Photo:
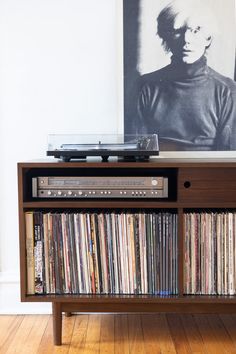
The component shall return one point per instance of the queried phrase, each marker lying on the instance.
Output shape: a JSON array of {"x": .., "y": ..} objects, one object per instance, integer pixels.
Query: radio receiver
[{"x": 100, "y": 187}]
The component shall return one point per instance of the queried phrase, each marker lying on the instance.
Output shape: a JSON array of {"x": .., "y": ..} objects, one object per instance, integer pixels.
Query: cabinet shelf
[
  {"x": 128, "y": 205},
  {"x": 109, "y": 298},
  {"x": 81, "y": 204},
  {"x": 194, "y": 185}
]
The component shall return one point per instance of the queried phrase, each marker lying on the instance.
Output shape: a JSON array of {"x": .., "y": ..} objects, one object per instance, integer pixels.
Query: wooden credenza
[{"x": 194, "y": 185}]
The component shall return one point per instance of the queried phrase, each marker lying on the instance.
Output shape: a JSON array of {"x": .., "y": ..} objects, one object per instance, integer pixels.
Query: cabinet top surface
[{"x": 164, "y": 160}]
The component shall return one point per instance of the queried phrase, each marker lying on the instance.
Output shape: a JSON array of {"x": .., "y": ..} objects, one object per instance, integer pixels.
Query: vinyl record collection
[
  {"x": 209, "y": 255},
  {"x": 101, "y": 253}
]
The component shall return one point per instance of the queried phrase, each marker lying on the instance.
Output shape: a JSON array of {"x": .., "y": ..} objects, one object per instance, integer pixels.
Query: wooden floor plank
[
  {"x": 136, "y": 343},
  {"x": 107, "y": 335},
  {"x": 223, "y": 338},
  {"x": 230, "y": 325},
  {"x": 47, "y": 346},
  {"x": 192, "y": 333},
  {"x": 178, "y": 334},
  {"x": 92, "y": 341},
  {"x": 121, "y": 334},
  {"x": 164, "y": 338},
  {"x": 33, "y": 340},
  {"x": 79, "y": 334},
  {"x": 21, "y": 341},
  {"x": 5, "y": 324},
  {"x": 150, "y": 334},
  {"x": 210, "y": 342},
  {"x": 8, "y": 333}
]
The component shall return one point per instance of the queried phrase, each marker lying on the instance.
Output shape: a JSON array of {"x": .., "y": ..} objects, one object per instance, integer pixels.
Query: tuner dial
[
  {"x": 49, "y": 192},
  {"x": 69, "y": 193},
  {"x": 154, "y": 182},
  {"x": 59, "y": 193},
  {"x": 80, "y": 193}
]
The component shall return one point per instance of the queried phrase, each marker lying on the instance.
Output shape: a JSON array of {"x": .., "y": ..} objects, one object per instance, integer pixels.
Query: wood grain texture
[
  {"x": 212, "y": 334},
  {"x": 79, "y": 334},
  {"x": 163, "y": 336},
  {"x": 107, "y": 334},
  {"x": 9, "y": 326},
  {"x": 193, "y": 335},
  {"x": 120, "y": 334},
  {"x": 92, "y": 343},
  {"x": 229, "y": 322},
  {"x": 178, "y": 334},
  {"x": 136, "y": 345}
]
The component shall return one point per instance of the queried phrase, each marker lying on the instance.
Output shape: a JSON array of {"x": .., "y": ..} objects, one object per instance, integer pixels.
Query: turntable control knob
[
  {"x": 121, "y": 192},
  {"x": 80, "y": 193},
  {"x": 69, "y": 193},
  {"x": 125, "y": 192},
  {"x": 105, "y": 192},
  {"x": 109, "y": 192},
  {"x": 132, "y": 193},
  {"x": 59, "y": 192},
  {"x": 49, "y": 192}
]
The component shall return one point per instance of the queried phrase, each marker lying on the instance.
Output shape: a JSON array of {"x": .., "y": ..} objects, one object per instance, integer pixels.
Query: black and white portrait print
[{"x": 179, "y": 72}]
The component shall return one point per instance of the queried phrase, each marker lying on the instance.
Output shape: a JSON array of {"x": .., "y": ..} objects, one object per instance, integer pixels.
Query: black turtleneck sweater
[{"x": 190, "y": 106}]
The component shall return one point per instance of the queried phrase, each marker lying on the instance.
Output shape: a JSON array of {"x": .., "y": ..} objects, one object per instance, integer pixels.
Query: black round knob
[{"x": 187, "y": 184}]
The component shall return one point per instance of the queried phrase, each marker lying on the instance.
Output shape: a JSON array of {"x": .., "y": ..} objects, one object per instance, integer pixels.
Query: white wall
[{"x": 60, "y": 72}]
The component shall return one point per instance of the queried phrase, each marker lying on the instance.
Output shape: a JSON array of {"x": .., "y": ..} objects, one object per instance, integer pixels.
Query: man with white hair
[{"x": 189, "y": 105}]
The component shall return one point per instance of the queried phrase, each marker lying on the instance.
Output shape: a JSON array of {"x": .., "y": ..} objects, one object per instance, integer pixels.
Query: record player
[{"x": 125, "y": 147}]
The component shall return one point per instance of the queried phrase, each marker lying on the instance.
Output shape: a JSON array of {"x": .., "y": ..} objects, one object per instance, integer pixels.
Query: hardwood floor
[{"x": 120, "y": 334}]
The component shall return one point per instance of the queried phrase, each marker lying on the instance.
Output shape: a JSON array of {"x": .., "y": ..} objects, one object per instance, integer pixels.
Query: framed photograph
[{"x": 179, "y": 72}]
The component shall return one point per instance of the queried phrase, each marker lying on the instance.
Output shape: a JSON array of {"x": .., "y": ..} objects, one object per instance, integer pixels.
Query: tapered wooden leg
[{"x": 57, "y": 322}]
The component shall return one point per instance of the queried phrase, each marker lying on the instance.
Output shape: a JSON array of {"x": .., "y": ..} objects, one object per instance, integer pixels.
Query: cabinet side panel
[{"x": 21, "y": 233}]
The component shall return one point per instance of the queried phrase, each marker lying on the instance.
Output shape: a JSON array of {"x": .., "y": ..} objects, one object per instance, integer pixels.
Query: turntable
[{"x": 125, "y": 147}]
